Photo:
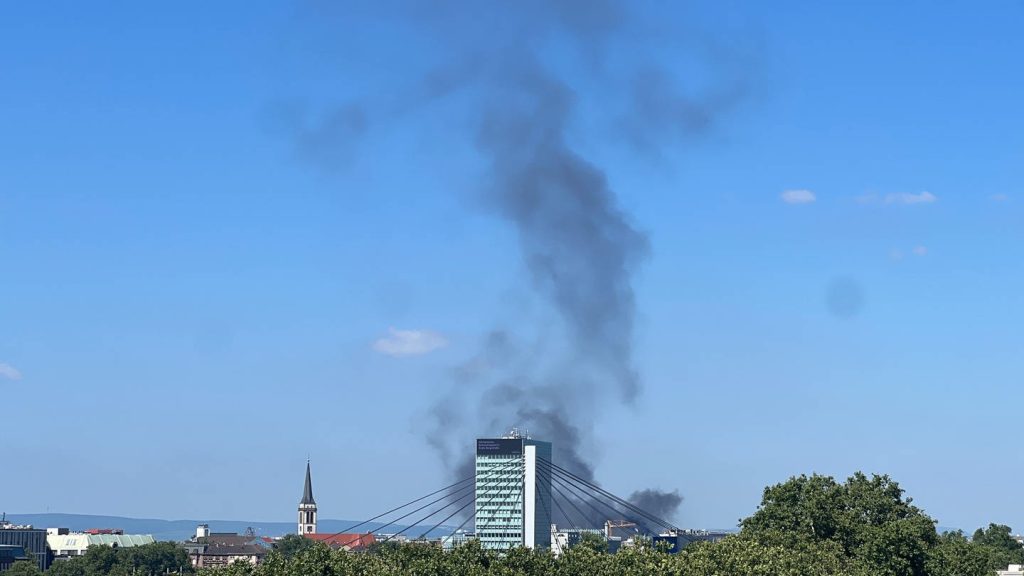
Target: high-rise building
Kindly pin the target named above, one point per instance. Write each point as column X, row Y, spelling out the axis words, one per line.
column 307, row 507
column 513, row 492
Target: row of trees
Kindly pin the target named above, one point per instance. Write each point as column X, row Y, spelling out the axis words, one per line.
column 806, row 526
column 149, row 560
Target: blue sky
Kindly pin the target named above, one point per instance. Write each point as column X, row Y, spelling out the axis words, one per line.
column 191, row 303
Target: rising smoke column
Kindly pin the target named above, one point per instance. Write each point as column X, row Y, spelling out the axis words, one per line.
column 579, row 247
column 580, row 250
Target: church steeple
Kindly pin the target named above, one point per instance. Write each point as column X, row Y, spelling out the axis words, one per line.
column 307, row 507
column 307, row 492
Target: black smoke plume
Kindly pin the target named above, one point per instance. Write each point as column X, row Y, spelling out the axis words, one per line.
column 662, row 505
column 556, row 373
column 580, row 249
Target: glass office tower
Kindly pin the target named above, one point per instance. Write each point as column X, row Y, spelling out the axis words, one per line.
column 513, row 492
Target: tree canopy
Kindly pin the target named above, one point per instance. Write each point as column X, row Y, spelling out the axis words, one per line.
column 24, row 568
column 147, row 560
column 805, row 526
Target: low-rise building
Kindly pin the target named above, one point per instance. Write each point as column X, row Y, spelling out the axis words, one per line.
column 676, row 540
column 565, row 538
column 1012, row 570
column 65, row 544
column 211, row 549
column 344, row 541
column 457, row 539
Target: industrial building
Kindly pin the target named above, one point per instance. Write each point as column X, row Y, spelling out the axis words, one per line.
column 66, row 544
column 513, row 492
column 31, row 540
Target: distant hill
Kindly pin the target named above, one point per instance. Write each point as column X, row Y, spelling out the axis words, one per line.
column 179, row 530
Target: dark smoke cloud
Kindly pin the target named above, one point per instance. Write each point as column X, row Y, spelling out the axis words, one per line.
column 664, row 113
column 581, row 250
column 579, row 247
column 661, row 504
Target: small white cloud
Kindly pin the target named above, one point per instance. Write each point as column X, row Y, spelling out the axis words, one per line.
column 919, row 250
column 798, row 197
column 868, row 198
column 9, row 372
column 999, row 197
column 896, row 254
column 409, row 342
column 908, row 198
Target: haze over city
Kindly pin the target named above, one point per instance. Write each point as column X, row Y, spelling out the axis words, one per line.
column 235, row 236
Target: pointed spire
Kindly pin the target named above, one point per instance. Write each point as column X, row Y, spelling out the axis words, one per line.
column 307, row 492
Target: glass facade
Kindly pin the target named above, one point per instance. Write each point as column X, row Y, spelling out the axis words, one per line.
column 32, row 540
column 513, row 493
column 499, row 493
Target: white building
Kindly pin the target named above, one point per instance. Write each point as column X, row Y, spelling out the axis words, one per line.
column 513, row 492
column 564, row 539
column 214, row 549
column 1012, row 570
column 68, row 545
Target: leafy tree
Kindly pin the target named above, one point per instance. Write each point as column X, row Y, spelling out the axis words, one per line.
column 100, row 561
column 71, row 567
column 878, row 530
column 292, row 544
column 153, row 559
column 742, row 555
column 147, row 560
column 236, row 568
column 955, row 555
column 24, row 568
column 595, row 542
column 1000, row 545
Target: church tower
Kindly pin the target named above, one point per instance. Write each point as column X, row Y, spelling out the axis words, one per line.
column 307, row 507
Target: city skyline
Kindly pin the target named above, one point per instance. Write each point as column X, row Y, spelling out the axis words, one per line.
column 237, row 237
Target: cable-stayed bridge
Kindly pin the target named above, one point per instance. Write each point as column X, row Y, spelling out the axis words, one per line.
column 518, row 496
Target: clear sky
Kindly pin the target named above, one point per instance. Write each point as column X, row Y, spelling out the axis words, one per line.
column 233, row 234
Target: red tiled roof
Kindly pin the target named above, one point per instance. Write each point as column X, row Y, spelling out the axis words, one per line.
column 349, row 541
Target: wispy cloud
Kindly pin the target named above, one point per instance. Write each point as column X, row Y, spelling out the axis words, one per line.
column 919, row 250
column 409, row 342
column 909, row 198
column 9, row 372
column 999, row 197
column 798, row 197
